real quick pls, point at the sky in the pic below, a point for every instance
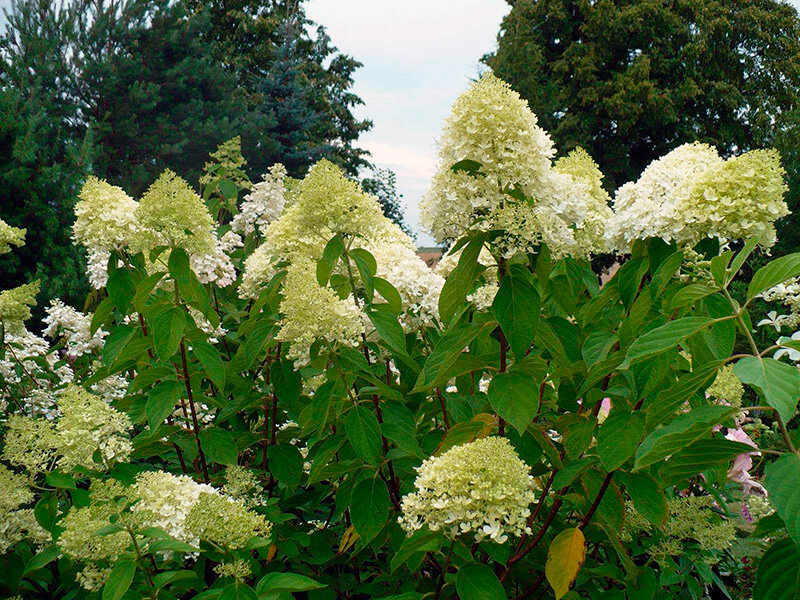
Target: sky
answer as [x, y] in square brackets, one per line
[418, 56]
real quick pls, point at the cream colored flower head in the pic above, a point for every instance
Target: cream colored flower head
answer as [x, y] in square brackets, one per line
[172, 214]
[492, 125]
[105, 216]
[692, 193]
[10, 236]
[15, 305]
[480, 488]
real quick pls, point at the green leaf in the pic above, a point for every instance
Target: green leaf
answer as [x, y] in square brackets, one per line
[680, 433]
[167, 331]
[629, 278]
[781, 481]
[778, 575]
[389, 293]
[143, 290]
[467, 165]
[219, 445]
[773, 273]
[364, 433]
[691, 294]
[516, 307]
[46, 511]
[119, 580]
[666, 336]
[367, 267]
[116, 342]
[179, 266]
[648, 499]
[779, 383]
[228, 188]
[671, 399]
[740, 258]
[389, 329]
[101, 315]
[699, 457]
[618, 438]
[444, 356]
[476, 581]
[515, 397]
[257, 340]
[121, 288]
[286, 464]
[369, 508]
[162, 402]
[212, 362]
[423, 540]
[287, 582]
[459, 282]
[331, 254]
[167, 577]
[42, 559]
[238, 591]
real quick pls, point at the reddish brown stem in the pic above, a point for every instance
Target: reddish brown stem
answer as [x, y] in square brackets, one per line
[193, 411]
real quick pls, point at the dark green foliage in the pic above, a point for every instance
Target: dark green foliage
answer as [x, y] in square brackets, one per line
[629, 80]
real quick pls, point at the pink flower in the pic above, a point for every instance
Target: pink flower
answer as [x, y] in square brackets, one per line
[742, 464]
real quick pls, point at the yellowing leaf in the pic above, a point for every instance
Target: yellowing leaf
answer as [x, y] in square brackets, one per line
[349, 538]
[273, 550]
[564, 559]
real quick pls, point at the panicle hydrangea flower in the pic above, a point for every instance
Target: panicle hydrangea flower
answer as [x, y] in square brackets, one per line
[490, 124]
[647, 208]
[692, 193]
[30, 443]
[16, 490]
[739, 199]
[690, 518]
[242, 484]
[105, 216]
[264, 204]
[111, 388]
[172, 214]
[88, 425]
[10, 236]
[217, 266]
[419, 287]
[228, 160]
[74, 327]
[97, 268]
[238, 569]
[78, 539]
[19, 525]
[225, 521]
[582, 200]
[15, 305]
[727, 387]
[165, 501]
[311, 312]
[481, 487]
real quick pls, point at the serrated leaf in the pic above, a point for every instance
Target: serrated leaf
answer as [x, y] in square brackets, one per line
[287, 582]
[516, 307]
[515, 397]
[364, 433]
[778, 575]
[680, 433]
[212, 363]
[119, 580]
[445, 354]
[369, 507]
[773, 273]
[476, 581]
[618, 438]
[161, 402]
[286, 464]
[698, 457]
[666, 336]
[781, 481]
[121, 288]
[168, 329]
[778, 382]
[219, 445]
[458, 283]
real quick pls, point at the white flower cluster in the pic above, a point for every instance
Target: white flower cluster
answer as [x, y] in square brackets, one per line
[692, 193]
[74, 326]
[264, 204]
[481, 487]
[22, 366]
[217, 267]
[419, 287]
[166, 500]
[87, 426]
[788, 294]
[566, 207]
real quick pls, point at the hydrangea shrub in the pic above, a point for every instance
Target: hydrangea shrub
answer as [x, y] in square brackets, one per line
[269, 394]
